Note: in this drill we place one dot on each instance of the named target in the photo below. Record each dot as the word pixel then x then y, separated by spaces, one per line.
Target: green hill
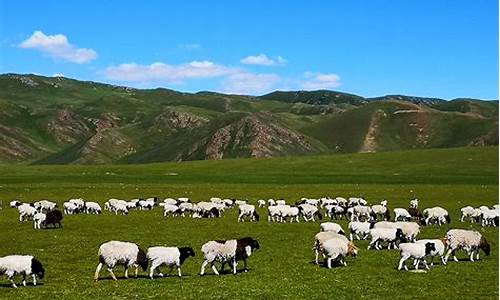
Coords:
pixel 57 120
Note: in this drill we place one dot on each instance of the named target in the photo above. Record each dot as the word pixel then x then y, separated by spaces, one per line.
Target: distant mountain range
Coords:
pixel 57 120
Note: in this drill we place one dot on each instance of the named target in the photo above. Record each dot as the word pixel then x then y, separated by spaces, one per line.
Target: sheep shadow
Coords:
pixel 20 285
pixel 323 264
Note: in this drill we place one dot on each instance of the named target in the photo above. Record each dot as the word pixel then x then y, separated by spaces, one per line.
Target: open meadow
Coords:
pixel 283 267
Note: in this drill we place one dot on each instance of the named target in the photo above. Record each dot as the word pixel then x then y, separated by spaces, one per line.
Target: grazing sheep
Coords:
pixel 309 211
pixel 38 220
pixel 184 199
pixel 381 210
pixel 327 201
pixel 320 238
pixel 53 217
pixel 337 248
pixel 330 226
pixel 228 252
pixel 169 256
pixel 127 254
pixel 389 235
pixel 24 265
pixel 410 229
pixel 240 202
pixel 26 212
pixel 335 211
pixel 44 205
pixel 361 230
pixel 174 210
pixel 416 251
pixel 247 210
pixel 261 203
pixel 147 204
pixel 468 240
pixel 361 212
pixel 289 212
pixel 436 215
pixel 401 214
pixel 274 213
pixel 14 203
pixel 79 203
pixel 70 208
pixel 489 218
pixel 439 251
pixel 92 208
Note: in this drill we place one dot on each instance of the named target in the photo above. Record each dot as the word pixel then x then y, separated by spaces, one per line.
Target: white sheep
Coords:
pixel 38 220
pixel 280 202
pixel 470 212
pixel 330 226
pixel 23 265
pixel 410 229
pixel 334 211
pixel 92 208
pixel 320 238
pixel 247 210
pixel 439 249
pixel 26 212
pixel 415 251
pixel 437 215
pixel 401 214
pixel 261 203
pixel 271 202
pixel 70 208
pixel 79 203
pixel 489 218
pixel 127 254
pixel 289 212
pixel 361 212
pixel 169 256
pixel 215 251
pixel 360 230
pixel 468 240
pixel 338 248
pixel 381 210
pixel 389 235
pixel 44 205
pixel 171 209
pixel 309 211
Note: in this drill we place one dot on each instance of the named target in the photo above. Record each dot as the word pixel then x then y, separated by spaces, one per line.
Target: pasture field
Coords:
pixel 282 268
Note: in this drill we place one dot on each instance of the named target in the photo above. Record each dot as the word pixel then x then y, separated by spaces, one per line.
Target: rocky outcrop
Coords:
pixel 68 127
pixel 172 120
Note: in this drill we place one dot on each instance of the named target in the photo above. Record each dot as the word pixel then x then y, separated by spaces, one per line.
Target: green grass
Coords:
pixel 282 268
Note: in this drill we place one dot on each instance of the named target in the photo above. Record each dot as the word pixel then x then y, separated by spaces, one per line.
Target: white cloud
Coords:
pixel 57 46
pixel 263 60
pixel 250 83
pixel 318 81
pixel 161 72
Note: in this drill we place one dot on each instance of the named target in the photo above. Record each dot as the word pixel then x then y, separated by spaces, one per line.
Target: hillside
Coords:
pixel 57 120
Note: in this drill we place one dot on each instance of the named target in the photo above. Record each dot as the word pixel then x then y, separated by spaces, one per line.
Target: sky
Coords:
pixel 444 49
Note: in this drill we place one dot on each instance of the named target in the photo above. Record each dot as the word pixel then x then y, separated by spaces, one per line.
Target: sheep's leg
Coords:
pixel 136 270
pixel 179 271
pixel 245 265
pixel 329 262
pixel 234 266
pixel 443 260
pixel 112 274
pixel 34 278
pixel 223 264
pixel 24 279
pixel 425 264
pixel 317 255
pixel 472 255
pixel 350 236
pixel 126 271
pixel 373 242
pixel 203 265
pixel 215 269
pixel 154 265
pixel 402 261
pixel 12 281
pixel 477 255
pixel 97 270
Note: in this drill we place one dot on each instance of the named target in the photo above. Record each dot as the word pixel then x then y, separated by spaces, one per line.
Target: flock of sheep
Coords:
pixel 331 242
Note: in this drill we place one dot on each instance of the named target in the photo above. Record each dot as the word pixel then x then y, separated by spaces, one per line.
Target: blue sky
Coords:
pixel 441 49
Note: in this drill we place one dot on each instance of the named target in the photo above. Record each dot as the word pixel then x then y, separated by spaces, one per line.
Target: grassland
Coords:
pixel 283 267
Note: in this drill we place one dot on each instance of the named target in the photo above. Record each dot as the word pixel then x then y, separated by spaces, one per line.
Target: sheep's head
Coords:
pixel 142 260
pixel 37 268
pixel 429 247
pixel 448 219
pixel 352 250
pixel 400 235
pixel 483 245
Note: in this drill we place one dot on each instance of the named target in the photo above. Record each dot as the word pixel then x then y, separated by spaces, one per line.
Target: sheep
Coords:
pixel 240 202
pixel 24 265
pixel 170 256
pixel 184 199
pixel 320 238
pixel 275 212
pixel 468 240
pixel 70 208
pixel 327 201
pixel 309 211
pixel 414 203
pixel 170 201
pixel 290 212
pixel 337 248
pixel 26 211
pixel 361 230
pixel 410 229
pixel 53 217
pixel 381 210
pixel 247 210
pixel 120 208
pixel 489 218
pixel 171 209
pixel 436 214
pixel 229 251
pixel 280 202
pixel 401 214
pixel 262 203
pixel 79 203
pixel 439 251
pixel 44 205
pixel 127 254
pixel 334 211
pixel 390 235
pixel 147 204
pixel 330 226
pixel 271 202
pixel 314 202
pixel 14 203
pixel 341 201
pixel 228 202
pixel 360 212
pixel 416 251
pixel 38 220
pixel 353 201
pixel 92 208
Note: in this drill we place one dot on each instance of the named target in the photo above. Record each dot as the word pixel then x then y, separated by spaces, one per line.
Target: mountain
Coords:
pixel 57 120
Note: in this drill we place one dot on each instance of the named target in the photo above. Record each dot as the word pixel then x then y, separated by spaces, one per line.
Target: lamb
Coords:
pixel 320 238
pixel 436 214
pixel 417 251
pixel 120 208
pixel 330 226
pixel 361 230
pixel 390 235
pixel 468 240
pixel 127 254
pixel 247 210
pixel 26 211
pixel 24 265
pixel 414 203
pixel 147 204
pixel 184 199
pixel 92 208
pixel 327 201
pixel 169 256
pixel 401 214
pixel 229 251
pixel 261 203
pixel 337 248
pixel 439 251
pixel 38 220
